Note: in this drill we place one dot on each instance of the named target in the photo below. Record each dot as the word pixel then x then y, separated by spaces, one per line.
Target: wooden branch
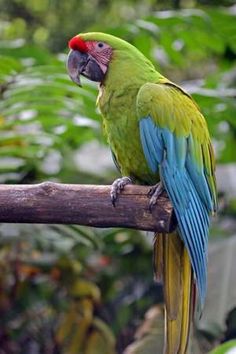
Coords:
pixel 54 203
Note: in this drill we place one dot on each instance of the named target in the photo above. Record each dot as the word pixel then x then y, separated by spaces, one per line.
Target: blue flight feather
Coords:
pixel 198 176
pixel 153 149
pixel 187 188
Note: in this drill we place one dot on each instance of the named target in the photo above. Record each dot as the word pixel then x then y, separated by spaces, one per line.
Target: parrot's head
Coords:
pixel 89 58
pixel 93 54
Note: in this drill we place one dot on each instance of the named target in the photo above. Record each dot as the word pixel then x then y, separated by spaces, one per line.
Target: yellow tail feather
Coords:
pixel 173 267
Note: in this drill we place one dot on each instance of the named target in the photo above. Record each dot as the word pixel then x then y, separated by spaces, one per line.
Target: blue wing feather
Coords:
pixel 198 176
pixel 153 147
pixel 187 188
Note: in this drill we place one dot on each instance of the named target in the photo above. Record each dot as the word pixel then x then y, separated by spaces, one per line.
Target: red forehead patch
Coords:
pixel 77 43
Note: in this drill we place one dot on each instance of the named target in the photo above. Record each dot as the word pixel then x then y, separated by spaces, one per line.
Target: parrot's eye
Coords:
pixel 100 44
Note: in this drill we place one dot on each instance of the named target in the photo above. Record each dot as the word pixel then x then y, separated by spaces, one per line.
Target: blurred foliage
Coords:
pixel 52 23
pixel 70 289
pixel 40 111
pixel 149 337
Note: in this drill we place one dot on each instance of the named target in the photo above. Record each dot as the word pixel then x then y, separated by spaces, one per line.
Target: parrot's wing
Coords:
pixel 176 142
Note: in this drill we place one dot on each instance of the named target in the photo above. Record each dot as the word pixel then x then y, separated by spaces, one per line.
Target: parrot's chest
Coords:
pixel 121 127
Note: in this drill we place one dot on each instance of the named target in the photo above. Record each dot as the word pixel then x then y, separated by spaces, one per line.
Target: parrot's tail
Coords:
pixel 173 268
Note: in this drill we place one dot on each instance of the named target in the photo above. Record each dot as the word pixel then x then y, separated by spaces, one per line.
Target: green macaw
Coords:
pixel 157 134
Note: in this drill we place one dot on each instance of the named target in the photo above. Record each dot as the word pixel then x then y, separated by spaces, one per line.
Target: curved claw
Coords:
pixel 117 186
pixel 155 192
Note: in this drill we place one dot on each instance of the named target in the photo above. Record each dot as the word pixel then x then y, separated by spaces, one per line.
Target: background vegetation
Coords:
pixel 70 289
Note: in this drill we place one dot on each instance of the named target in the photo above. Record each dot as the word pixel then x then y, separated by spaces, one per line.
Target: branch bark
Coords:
pixel 54 203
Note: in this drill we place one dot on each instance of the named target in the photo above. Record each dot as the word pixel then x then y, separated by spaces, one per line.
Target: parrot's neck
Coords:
pixel 128 72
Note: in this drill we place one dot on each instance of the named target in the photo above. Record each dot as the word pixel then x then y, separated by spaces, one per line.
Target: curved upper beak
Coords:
pixel 83 64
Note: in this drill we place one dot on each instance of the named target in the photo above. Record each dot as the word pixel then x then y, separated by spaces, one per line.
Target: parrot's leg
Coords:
pixel 155 192
pixel 117 187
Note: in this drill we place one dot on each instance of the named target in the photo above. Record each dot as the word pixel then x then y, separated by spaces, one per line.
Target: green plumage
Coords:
pixel 118 105
pixel 156 132
pixel 130 94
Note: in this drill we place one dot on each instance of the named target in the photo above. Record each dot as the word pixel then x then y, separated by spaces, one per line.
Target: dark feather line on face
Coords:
pixel 102 56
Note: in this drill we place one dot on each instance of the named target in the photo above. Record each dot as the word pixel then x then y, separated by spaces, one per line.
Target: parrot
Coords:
pixel 158 137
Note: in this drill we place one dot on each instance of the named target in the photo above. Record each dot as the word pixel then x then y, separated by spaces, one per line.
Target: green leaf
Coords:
pixel 226 348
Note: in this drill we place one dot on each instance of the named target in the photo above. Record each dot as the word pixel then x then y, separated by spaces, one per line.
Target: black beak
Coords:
pixel 83 64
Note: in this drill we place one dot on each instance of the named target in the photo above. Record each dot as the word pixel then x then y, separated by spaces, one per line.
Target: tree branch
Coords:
pixel 54 203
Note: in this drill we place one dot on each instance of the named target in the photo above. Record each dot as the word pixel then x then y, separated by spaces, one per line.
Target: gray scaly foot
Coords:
pixel 155 192
pixel 117 187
